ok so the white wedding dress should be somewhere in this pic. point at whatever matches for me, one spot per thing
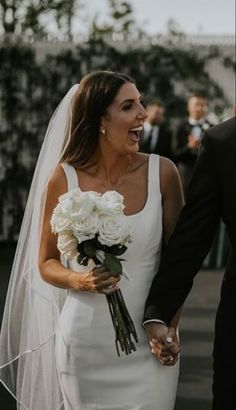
(92, 376)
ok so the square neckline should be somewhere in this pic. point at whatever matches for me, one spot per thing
(148, 186)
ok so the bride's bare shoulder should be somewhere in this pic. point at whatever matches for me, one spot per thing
(167, 166)
(58, 182)
(57, 186)
(169, 175)
(140, 160)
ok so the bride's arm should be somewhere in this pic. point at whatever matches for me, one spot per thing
(51, 269)
(172, 203)
(172, 196)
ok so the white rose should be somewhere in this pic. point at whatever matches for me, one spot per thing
(77, 205)
(87, 228)
(59, 223)
(67, 245)
(113, 230)
(111, 202)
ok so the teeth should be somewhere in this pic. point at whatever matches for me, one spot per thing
(136, 129)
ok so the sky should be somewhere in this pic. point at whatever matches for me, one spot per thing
(192, 16)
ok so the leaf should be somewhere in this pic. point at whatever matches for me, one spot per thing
(82, 260)
(89, 249)
(112, 263)
(117, 249)
(120, 250)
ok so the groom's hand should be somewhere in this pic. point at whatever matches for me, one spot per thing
(163, 342)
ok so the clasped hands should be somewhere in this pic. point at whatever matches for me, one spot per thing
(163, 342)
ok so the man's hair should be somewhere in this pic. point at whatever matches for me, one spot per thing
(198, 94)
(153, 102)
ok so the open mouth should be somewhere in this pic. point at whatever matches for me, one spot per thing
(134, 133)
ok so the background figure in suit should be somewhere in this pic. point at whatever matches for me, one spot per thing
(211, 196)
(157, 137)
(188, 137)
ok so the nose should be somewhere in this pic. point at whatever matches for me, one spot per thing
(142, 114)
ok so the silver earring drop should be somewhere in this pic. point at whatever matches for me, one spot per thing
(103, 131)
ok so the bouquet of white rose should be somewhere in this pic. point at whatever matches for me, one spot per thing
(93, 226)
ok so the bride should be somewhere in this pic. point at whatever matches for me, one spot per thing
(57, 343)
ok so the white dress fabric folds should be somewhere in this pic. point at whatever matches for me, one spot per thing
(92, 376)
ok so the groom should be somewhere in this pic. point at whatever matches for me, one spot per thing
(211, 196)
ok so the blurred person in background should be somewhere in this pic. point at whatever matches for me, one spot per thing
(157, 137)
(188, 137)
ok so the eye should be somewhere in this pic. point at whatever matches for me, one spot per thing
(127, 107)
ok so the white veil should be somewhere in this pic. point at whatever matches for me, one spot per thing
(32, 309)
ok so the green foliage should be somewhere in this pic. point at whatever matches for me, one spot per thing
(112, 263)
(25, 17)
(229, 63)
(121, 24)
(31, 90)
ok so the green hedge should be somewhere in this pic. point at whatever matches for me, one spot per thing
(31, 90)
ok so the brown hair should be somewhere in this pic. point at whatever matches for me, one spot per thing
(198, 94)
(95, 93)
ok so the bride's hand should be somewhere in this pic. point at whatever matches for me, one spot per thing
(96, 280)
(163, 342)
(166, 355)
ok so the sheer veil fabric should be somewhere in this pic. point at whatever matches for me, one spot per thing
(32, 309)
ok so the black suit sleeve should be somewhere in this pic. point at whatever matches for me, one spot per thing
(190, 242)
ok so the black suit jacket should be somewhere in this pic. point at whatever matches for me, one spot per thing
(164, 143)
(211, 196)
(182, 153)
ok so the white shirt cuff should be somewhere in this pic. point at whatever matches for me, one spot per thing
(154, 320)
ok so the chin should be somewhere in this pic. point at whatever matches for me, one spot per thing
(132, 149)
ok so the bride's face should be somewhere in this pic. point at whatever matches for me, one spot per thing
(123, 122)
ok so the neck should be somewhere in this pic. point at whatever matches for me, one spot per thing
(196, 118)
(111, 167)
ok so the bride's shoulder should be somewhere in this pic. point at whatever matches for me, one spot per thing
(169, 175)
(58, 182)
(140, 159)
(57, 186)
(167, 167)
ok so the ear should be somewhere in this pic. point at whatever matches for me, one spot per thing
(102, 130)
(103, 124)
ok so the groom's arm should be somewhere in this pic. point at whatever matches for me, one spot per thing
(190, 242)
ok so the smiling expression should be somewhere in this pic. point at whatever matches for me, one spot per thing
(123, 121)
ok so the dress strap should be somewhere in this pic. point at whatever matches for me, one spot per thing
(71, 176)
(154, 175)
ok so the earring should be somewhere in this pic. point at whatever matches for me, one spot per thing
(103, 131)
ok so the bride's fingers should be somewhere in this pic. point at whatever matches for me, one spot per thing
(106, 284)
(156, 350)
(105, 276)
(111, 289)
(99, 269)
(165, 356)
(169, 361)
(166, 360)
(103, 270)
(159, 346)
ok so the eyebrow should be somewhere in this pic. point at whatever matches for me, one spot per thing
(130, 100)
